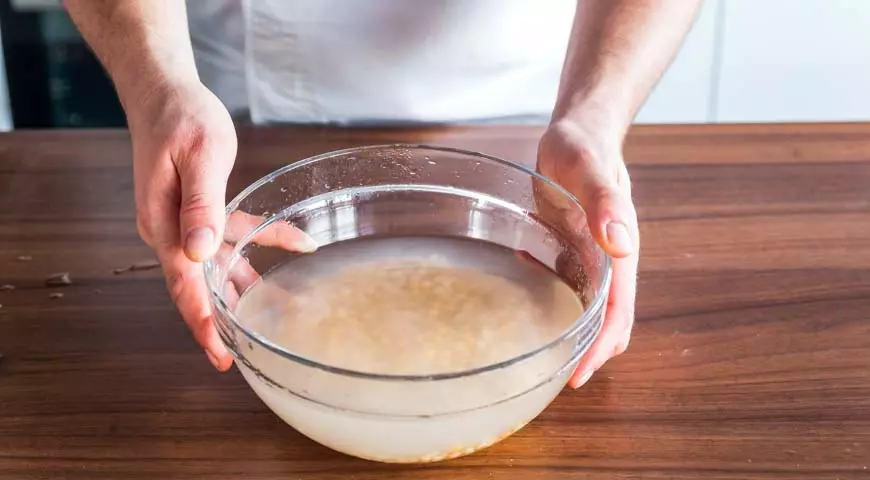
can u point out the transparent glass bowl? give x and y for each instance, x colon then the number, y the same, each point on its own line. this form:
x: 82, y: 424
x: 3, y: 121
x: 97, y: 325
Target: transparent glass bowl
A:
x: 409, y: 190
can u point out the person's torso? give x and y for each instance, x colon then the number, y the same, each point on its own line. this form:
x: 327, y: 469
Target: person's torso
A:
x: 382, y: 61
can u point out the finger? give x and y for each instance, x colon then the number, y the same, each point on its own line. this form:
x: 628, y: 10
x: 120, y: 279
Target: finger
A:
x: 203, y: 170
x: 186, y: 283
x: 241, y: 274
x: 525, y: 256
x: 231, y: 295
x: 607, y: 202
x: 277, y: 234
x: 618, y: 322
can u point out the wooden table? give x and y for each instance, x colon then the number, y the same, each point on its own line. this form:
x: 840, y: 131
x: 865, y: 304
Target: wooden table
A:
x: 751, y: 356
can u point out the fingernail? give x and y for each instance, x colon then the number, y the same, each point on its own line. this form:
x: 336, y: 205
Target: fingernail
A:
x: 619, y: 238
x: 199, y: 244
x: 214, y: 361
x: 307, y: 244
x: 583, y: 379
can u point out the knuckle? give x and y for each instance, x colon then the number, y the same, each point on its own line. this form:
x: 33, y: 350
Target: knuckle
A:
x: 196, y: 135
x: 188, y: 128
x: 143, y: 230
x: 175, y: 284
x: 604, y: 193
x: 154, y: 227
x: 147, y: 220
x: 195, y: 203
x: 189, y: 139
x: 621, y: 346
x: 187, y: 132
x: 609, y: 196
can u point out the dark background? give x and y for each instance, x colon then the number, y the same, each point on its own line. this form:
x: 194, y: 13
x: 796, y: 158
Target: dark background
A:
x: 46, y: 61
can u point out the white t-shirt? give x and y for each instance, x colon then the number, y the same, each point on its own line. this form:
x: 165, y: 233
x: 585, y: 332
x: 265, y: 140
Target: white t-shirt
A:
x: 382, y: 61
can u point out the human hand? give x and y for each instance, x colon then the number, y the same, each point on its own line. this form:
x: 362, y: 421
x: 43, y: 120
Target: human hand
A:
x: 590, y: 166
x: 184, y: 146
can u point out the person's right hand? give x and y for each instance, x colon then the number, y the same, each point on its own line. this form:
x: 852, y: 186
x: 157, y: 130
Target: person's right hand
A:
x: 184, y: 147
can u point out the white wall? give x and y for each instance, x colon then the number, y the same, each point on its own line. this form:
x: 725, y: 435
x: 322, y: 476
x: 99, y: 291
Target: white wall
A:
x: 683, y: 94
x: 769, y: 61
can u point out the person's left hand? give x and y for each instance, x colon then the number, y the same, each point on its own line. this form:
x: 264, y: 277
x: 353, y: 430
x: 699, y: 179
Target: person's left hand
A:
x: 589, y: 164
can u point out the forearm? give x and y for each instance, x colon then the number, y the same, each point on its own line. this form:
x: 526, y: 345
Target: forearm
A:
x: 144, y: 45
x: 618, y: 51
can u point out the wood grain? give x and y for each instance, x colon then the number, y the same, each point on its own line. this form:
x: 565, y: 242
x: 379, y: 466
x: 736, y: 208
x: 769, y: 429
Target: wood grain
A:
x: 751, y: 357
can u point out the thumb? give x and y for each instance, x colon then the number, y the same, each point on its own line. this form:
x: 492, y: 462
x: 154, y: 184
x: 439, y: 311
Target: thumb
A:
x: 610, y: 212
x: 203, y: 195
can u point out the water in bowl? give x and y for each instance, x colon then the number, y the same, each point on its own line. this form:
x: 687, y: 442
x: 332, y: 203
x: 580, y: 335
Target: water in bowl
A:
x: 406, y: 286
x: 410, y: 305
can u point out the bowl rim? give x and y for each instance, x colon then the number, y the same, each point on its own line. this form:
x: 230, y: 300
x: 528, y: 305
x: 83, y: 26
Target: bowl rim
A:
x: 218, y: 302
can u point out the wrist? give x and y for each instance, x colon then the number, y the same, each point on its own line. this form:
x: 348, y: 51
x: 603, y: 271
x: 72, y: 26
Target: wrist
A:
x: 144, y: 100
x: 600, y: 113
x: 591, y: 131
x: 143, y: 80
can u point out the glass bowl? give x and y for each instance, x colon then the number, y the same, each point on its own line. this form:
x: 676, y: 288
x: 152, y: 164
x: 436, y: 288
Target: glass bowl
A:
x: 408, y: 191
